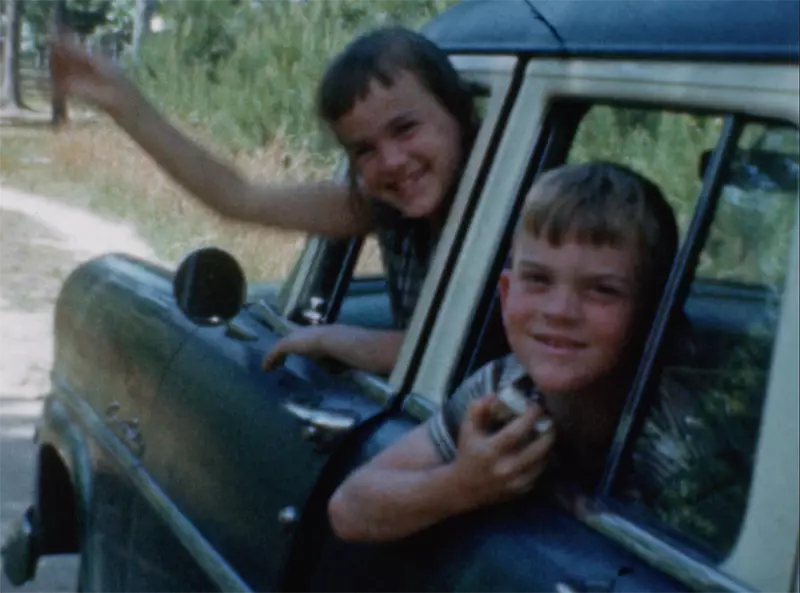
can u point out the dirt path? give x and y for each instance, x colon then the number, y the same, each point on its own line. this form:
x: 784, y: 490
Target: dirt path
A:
x: 41, y: 241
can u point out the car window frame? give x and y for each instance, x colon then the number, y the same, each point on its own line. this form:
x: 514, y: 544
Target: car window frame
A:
x: 676, y: 291
x: 711, y: 87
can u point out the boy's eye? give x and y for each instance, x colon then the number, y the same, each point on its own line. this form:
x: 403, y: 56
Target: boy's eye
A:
x: 536, y: 279
x: 607, y: 290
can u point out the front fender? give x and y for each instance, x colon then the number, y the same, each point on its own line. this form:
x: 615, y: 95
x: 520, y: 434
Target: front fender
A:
x: 64, y: 462
x: 57, y: 522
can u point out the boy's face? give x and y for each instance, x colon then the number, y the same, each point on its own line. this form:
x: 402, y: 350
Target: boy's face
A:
x: 568, y: 311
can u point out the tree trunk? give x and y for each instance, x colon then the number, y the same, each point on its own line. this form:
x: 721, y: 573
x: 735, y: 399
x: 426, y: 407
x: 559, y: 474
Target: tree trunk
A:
x: 141, y: 26
x: 58, y: 98
x: 11, y: 84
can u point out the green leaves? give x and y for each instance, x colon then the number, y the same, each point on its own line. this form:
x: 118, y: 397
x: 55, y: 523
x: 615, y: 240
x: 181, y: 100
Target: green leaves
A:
x: 248, y: 70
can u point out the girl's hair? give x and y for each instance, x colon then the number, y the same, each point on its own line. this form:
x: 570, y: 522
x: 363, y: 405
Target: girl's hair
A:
x: 382, y: 55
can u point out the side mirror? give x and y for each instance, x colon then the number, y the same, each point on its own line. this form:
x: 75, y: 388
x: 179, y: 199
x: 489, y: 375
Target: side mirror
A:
x: 209, y: 286
x: 759, y: 170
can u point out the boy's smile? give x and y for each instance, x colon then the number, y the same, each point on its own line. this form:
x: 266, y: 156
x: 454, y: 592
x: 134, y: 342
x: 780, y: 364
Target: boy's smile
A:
x: 568, y: 310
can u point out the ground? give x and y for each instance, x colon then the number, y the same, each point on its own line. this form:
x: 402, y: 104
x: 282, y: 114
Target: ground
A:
x: 41, y: 241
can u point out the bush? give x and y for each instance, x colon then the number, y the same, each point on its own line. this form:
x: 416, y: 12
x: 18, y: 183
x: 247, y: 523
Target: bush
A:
x: 246, y: 72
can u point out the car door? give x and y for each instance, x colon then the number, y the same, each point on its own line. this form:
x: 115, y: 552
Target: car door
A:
x: 235, y: 455
x: 115, y: 334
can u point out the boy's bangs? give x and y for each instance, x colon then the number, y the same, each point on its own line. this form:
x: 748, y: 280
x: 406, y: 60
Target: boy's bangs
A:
x: 572, y: 217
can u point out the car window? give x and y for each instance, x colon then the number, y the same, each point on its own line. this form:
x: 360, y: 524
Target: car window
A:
x: 664, y: 146
x: 369, y: 262
x: 691, y: 465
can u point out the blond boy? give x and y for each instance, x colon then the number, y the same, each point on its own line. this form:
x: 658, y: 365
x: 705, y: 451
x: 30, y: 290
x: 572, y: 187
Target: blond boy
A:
x: 591, y: 254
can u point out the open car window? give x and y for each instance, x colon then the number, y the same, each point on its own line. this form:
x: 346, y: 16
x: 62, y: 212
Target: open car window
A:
x: 691, y: 465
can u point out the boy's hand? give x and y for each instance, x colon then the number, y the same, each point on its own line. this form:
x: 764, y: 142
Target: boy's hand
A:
x: 504, y: 464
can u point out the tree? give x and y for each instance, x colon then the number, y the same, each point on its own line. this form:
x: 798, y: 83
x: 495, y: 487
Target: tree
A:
x: 11, y: 84
x: 142, y: 13
x: 58, y: 98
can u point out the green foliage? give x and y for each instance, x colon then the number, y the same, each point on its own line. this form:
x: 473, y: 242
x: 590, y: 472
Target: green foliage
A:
x: 37, y: 17
x: 706, y: 493
x: 664, y: 146
x: 247, y: 71
x: 118, y: 19
x: 84, y: 16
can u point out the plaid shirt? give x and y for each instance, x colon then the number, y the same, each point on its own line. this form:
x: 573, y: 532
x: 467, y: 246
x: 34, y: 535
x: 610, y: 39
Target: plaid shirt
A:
x: 406, y: 250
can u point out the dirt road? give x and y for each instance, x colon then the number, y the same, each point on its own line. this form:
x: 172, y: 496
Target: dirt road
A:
x: 41, y: 241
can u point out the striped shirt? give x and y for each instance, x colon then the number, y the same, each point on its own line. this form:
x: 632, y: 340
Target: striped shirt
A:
x: 674, y: 470
x: 491, y: 378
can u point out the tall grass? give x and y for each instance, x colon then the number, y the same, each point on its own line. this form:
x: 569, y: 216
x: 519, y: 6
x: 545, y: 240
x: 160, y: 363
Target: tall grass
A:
x: 247, y: 73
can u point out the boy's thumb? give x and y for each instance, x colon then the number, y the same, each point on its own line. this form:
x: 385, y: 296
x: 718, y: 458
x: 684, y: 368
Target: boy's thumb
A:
x: 480, y: 410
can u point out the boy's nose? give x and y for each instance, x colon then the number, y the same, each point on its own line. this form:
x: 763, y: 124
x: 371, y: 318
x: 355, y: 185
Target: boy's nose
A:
x: 562, y: 303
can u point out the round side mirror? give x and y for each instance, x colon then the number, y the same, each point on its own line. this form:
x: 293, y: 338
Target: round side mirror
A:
x: 209, y: 286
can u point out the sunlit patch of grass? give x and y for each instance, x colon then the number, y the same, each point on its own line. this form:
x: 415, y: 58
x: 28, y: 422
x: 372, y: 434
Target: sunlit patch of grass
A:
x: 94, y: 165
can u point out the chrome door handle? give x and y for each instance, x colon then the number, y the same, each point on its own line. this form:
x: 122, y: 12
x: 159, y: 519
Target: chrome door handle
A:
x: 321, y: 427
x: 132, y: 435
x: 127, y: 430
x: 111, y: 410
x: 322, y: 420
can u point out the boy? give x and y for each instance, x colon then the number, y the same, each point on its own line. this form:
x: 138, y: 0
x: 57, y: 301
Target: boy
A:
x: 591, y: 254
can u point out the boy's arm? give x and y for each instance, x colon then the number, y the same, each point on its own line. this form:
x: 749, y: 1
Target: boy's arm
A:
x: 406, y: 488
x: 409, y: 486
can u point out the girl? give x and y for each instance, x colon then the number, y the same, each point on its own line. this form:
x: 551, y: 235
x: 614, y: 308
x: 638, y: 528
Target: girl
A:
x: 406, y: 121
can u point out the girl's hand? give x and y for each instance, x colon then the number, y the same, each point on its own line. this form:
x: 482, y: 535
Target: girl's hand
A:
x: 305, y: 341
x: 90, y: 78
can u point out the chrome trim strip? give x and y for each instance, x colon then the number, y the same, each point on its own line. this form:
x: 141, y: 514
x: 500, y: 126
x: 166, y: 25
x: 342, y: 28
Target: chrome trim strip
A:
x: 373, y: 386
x: 661, y: 555
x: 304, y: 266
x: 419, y: 407
x: 196, y: 545
x: 267, y: 314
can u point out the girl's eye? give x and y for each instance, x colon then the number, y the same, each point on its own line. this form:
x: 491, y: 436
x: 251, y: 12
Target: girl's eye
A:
x: 406, y: 127
x: 362, y: 151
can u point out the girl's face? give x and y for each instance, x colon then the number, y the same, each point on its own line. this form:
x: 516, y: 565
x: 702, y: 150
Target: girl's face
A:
x: 569, y: 311
x: 405, y: 146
